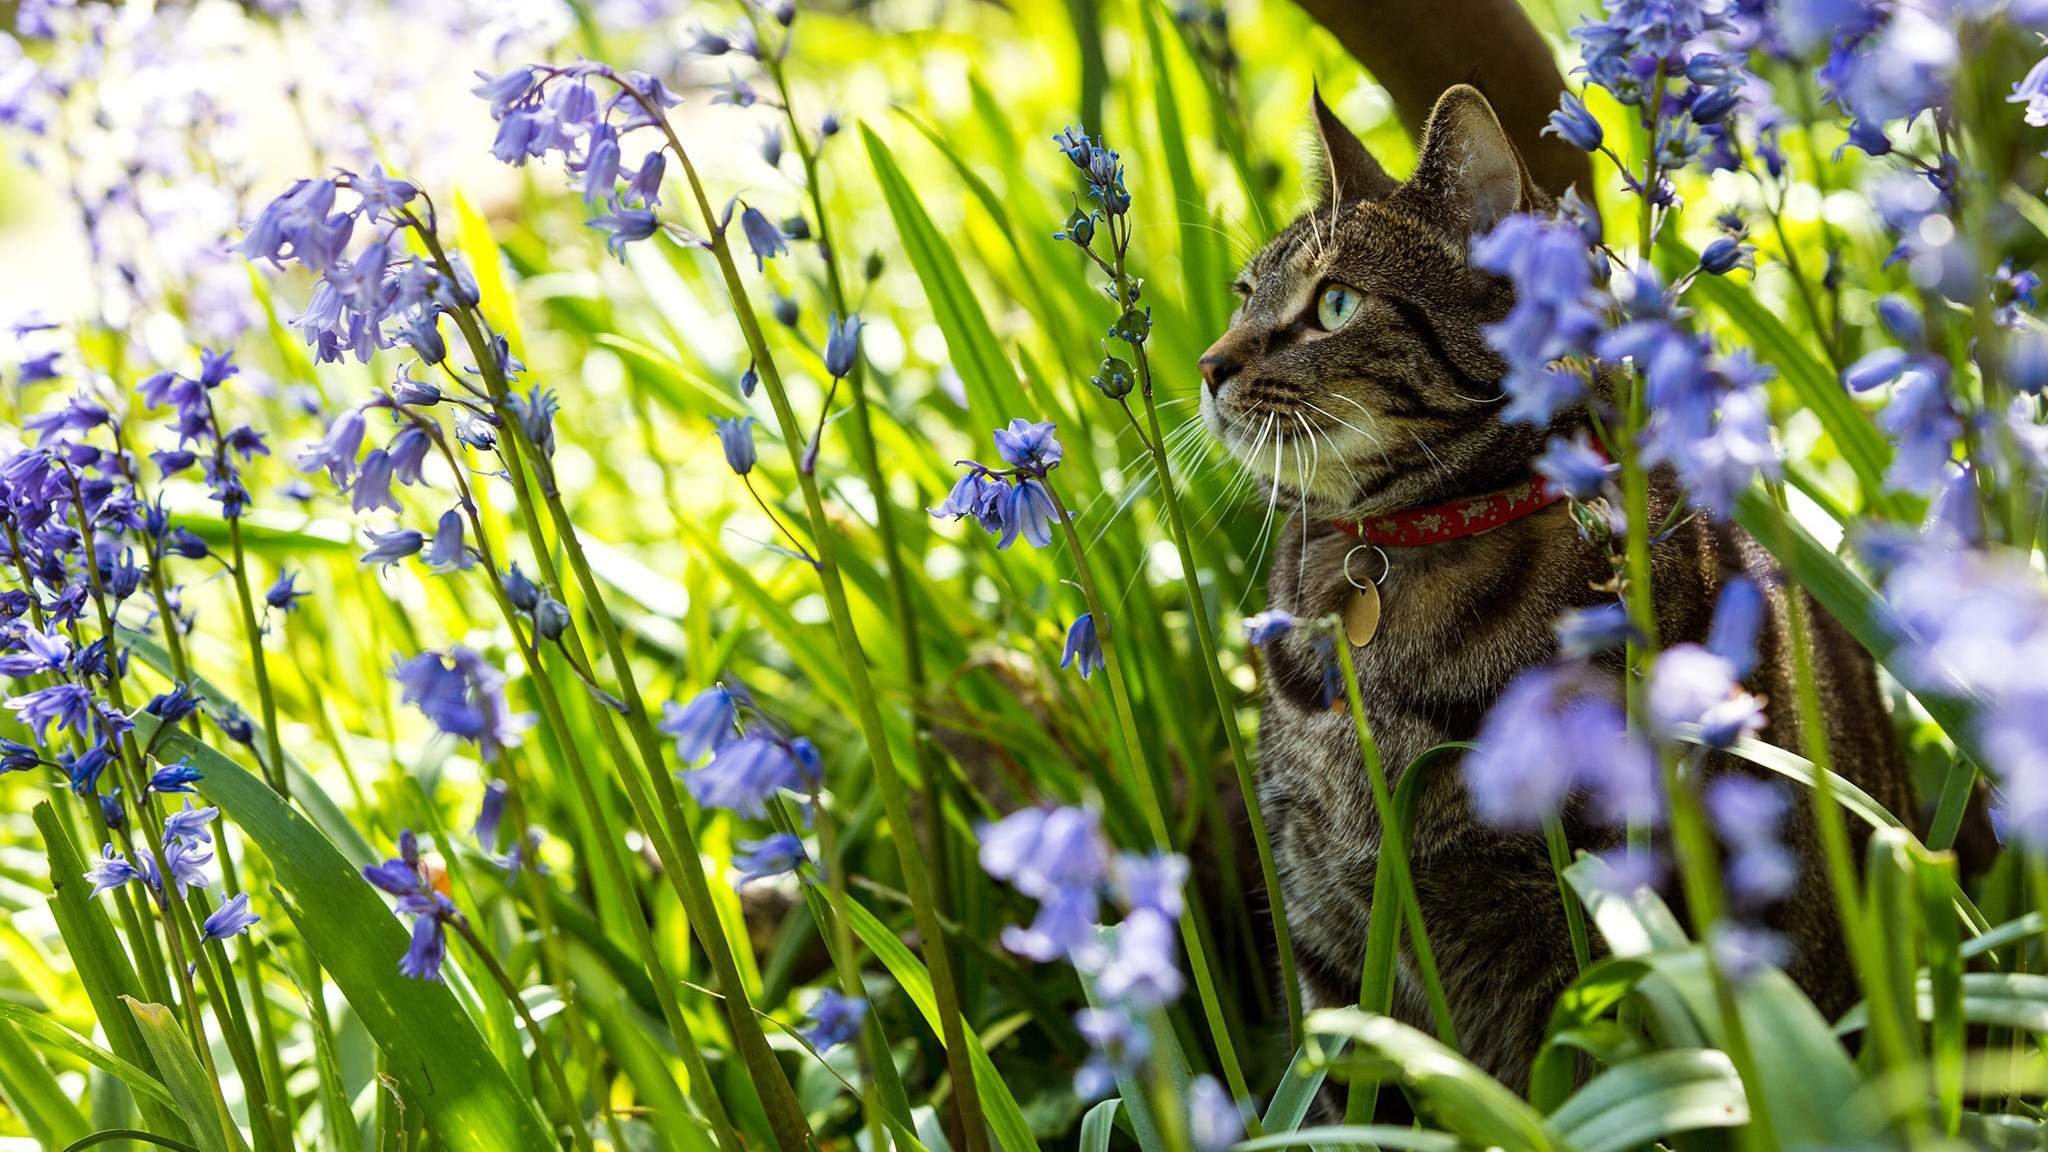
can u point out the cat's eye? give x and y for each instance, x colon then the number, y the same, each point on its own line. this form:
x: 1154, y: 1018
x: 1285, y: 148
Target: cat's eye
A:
x: 1335, y: 306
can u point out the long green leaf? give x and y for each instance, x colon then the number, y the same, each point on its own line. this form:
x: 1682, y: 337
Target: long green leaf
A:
x: 1013, y: 1132
x: 1448, y: 1089
x: 991, y: 382
x: 1651, y: 1098
x: 58, y: 1036
x: 1368, y: 1136
x: 1299, y: 1084
x: 2003, y: 999
x: 440, y: 1061
x: 212, y: 1130
x: 29, y: 1088
x: 1098, y: 1125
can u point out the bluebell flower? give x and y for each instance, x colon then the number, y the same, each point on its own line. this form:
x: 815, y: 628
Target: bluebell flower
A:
x: 1555, y: 730
x: 1875, y: 368
x: 1143, y: 969
x: 490, y: 812
x: 1924, y: 426
x: 744, y: 774
x: 1556, y: 312
x: 601, y: 166
x: 1574, y: 125
x: 1084, y: 648
x: 186, y: 862
x: 178, y: 777
x: 1749, y: 815
x: 1590, y: 631
x: 736, y: 437
x: 1743, y: 949
x: 506, y: 89
x: 408, y: 453
x: 1738, y: 616
x: 976, y: 495
x: 230, y: 919
x: 372, y: 487
x: 448, y: 553
x: 1066, y: 927
x: 645, y: 186
x: 38, y: 368
x: 2025, y: 360
x: 68, y: 706
x: 1692, y: 686
x: 84, y: 769
x: 842, y: 344
x: 1726, y: 254
x: 763, y: 237
x: 337, y: 451
x: 1027, y: 511
x: 2032, y: 91
x: 402, y: 875
x: 428, y: 949
x: 1042, y: 852
x: 550, y: 618
x: 1575, y: 467
x: 1901, y: 317
x: 113, y: 870
x: 1029, y: 446
x: 388, y: 548
x: 1118, y: 1043
x: 709, y: 722
x: 189, y: 824
x: 283, y: 595
x: 1215, y: 1122
x: 463, y: 695
x: 1152, y: 881
x: 835, y: 1019
x: 111, y: 811
x: 772, y: 855
x: 1268, y: 625
x: 18, y: 757
x: 622, y: 226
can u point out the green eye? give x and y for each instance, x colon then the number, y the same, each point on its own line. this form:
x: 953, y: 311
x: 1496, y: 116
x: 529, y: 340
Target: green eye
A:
x: 1335, y: 306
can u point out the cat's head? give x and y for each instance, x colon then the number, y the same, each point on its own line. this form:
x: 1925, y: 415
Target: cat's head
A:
x: 1356, y: 373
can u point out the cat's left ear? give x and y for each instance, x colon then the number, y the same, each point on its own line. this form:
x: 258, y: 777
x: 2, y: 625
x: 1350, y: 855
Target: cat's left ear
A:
x: 1470, y: 174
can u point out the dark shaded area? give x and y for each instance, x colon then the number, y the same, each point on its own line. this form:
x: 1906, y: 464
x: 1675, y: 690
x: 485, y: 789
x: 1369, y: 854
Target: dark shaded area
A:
x: 1417, y: 48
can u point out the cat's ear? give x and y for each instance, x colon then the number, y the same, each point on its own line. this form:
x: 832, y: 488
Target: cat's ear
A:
x: 1348, y: 171
x: 1470, y: 174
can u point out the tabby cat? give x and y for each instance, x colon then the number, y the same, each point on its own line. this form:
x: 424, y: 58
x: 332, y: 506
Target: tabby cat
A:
x: 1356, y: 377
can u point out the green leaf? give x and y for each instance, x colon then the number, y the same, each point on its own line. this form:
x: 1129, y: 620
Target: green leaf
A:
x: 1013, y: 1132
x: 1098, y: 1124
x: 990, y: 381
x: 1655, y: 1096
x: 1299, y: 1084
x: 2001, y: 999
x: 1447, y: 1088
x: 1356, y: 1136
x: 31, y: 1090
x: 440, y: 1061
x: 101, y: 961
x: 212, y: 1129
x: 58, y: 1036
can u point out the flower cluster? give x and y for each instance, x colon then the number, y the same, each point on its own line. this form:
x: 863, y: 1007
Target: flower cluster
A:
x: 421, y: 889
x: 752, y: 759
x: 464, y: 696
x: 1060, y: 858
x: 1010, y: 502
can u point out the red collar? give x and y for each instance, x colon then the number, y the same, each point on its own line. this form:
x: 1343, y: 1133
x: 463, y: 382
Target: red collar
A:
x: 1453, y: 519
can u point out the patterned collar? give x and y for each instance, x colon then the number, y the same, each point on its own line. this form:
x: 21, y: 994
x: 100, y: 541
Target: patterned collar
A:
x: 1453, y: 519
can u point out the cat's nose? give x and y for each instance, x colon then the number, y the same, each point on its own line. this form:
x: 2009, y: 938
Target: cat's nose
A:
x: 1217, y: 371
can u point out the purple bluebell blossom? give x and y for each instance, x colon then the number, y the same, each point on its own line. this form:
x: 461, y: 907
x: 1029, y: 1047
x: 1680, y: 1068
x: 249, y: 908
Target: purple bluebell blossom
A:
x: 113, y: 870
x: 764, y: 239
x: 1215, y: 1122
x: 448, y: 552
x: 1042, y: 851
x: 1588, y: 632
x: 744, y: 774
x: 645, y: 186
x: 834, y: 1020
x: 1574, y: 125
x: 388, y: 548
x: 1118, y: 1043
x: 490, y: 812
x: 1575, y: 467
x: 1143, y: 969
x: 1084, y: 648
x: 842, y: 344
x: 1154, y: 881
x: 1557, y: 311
x: 1268, y: 625
x: 1692, y: 686
x: 282, y: 594
x: 773, y: 855
x: 232, y: 918
x: 178, y: 777
x: 622, y: 226
x: 1556, y: 729
x: 736, y: 438
x: 1749, y: 816
x: 1029, y: 446
x: 1028, y: 512
x: 709, y: 722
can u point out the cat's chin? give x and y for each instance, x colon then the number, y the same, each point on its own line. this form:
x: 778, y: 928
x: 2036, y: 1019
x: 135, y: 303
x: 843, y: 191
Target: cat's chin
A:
x: 1321, y: 470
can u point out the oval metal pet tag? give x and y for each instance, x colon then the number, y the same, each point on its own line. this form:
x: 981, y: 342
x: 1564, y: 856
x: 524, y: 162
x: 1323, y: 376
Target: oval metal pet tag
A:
x: 1362, y: 615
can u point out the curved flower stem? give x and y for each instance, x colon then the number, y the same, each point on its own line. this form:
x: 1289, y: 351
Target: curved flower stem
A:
x: 674, y: 839
x: 1393, y: 837
x: 895, y: 802
x: 887, y: 530
x: 609, y: 854
x: 1192, y: 934
x: 577, y: 1129
x: 1205, y: 637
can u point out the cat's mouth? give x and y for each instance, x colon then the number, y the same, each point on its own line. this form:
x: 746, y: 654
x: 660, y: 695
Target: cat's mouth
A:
x: 1317, y: 449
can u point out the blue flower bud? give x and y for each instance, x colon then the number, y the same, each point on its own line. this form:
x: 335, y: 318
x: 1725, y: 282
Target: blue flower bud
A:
x: 1574, y: 125
x: 842, y: 345
x: 1714, y: 104
x: 521, y: 591
x: 1727, y: 254
x: 736, y: 436
x: 1114, y: 379
x: 551, y: 619
x: 1901, y: 317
